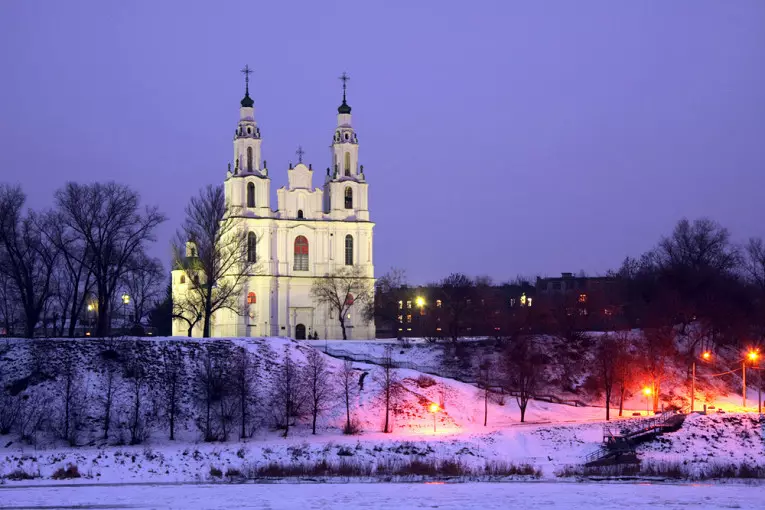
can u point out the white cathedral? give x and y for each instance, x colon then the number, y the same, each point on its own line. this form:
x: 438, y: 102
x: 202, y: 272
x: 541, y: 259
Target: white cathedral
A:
x: 312, y: 233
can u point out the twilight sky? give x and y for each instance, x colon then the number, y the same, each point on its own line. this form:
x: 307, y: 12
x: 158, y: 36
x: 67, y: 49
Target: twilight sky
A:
x: 499, y: 138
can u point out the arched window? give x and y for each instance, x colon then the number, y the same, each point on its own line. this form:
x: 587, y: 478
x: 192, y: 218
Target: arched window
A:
x: 252, y: 242
x: 349, y: 250
x: 348, y: 198
x: 348, y: 164
x: 301, y: 253
x: 250, y: 195
x: 251, y: 298
x: 183, y: 279
x: 249, y: 159
x: 300, y: 214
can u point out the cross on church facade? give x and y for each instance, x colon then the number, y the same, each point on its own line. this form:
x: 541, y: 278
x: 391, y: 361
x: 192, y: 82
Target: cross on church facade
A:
x: 300, y: 153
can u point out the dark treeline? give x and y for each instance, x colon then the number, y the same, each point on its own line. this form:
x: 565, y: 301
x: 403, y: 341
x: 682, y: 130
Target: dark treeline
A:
x: 66, y: 269
x: 695, y: 291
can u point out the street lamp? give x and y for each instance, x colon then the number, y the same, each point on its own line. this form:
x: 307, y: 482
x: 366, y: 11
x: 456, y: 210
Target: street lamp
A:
x: 125, y: 301
x: 753, y: 355
x: 434, y: 408
x: 706, y: 356
x: 647, y: 393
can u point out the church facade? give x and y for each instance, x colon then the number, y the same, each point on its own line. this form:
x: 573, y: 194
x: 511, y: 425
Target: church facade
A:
x: 312, y: 233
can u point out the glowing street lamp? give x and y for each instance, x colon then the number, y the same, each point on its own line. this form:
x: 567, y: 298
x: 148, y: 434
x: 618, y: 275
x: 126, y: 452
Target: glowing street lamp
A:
x: 706, y: 356
x: 647, y: 392
x: 420, y: 301
x: 434, y: 408
x: 125, y: 301
x: 752, y: 356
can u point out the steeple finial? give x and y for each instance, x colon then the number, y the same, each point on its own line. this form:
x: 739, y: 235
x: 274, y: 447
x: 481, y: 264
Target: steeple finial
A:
x: 344, y: 108
x: 300, y: 153
x: 247, y: 101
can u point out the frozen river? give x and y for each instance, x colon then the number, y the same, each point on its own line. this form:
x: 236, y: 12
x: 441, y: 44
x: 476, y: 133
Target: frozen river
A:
x: 395, y: 496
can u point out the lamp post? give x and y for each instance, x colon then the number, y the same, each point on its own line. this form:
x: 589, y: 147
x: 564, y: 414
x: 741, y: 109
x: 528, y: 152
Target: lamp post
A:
x: 434, y: 409
x: 706, y: 356
x: 752, y: 356
x: 125, y: 301
x: 90, y: 318
x: 647, y: 393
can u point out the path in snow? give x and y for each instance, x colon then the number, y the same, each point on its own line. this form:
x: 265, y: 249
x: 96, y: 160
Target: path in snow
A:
x: 381, y: 496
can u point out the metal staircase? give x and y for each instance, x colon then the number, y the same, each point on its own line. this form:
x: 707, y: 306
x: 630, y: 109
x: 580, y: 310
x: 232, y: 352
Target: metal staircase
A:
x: 620, y: 439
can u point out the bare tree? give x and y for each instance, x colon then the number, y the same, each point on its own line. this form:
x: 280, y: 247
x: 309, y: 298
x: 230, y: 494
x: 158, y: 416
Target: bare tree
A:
x: 244, y: 379
x: 523, y: 366
x: 390, y: 387
x: 486, y: 379
x: 319, y: 389
x: 74, y: 279
x: 72, y: 400
x: 211, y: 393
x: 623, y: 364
x: 347, y: 380
x: 341, y: 290
x: 288, y: 398
x: 188, y: 309
x: 456, y: 291
x: 9, y: 310
x: 109, y: 391
x: 172, y: 376
x: 219, y: 258
x: 136, y: 376
x: 27, y: 258
x: 606, y: 367
x: 144, y: 283
x: 754, y: 262
x: 107, y: 219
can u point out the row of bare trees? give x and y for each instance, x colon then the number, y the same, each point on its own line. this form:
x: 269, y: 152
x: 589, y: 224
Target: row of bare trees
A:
x: 123, y: 391
x: 85, y: 251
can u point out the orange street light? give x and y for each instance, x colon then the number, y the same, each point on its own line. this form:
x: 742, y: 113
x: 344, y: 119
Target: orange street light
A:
x: 647, y: 393
x: 434, y: 408
x: 753, y: 355
x: 706, y: 355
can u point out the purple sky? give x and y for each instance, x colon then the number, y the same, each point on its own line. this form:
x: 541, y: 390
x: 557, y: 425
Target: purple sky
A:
x: 499, y: 138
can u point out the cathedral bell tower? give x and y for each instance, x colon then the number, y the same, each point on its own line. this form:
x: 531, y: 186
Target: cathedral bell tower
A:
x: 345, y: 187
x: 247, y: 183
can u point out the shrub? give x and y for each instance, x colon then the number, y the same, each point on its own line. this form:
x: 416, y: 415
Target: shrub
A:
x: 424, y: 381
x: 232, y: 473
x: 71, y: 471
x: 215, y: 472
x: 502, y: 468
x: 20, y: 474
x: 353, y: 428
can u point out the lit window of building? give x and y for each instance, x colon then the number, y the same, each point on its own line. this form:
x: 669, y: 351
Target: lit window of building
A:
x: 438, y: 303
x: 400, y: 305
x: 409, y: 318
x: 582, y: 298
x: 408, y: 304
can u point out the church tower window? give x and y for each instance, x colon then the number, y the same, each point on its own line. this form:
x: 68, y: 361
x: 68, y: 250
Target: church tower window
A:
x: 250, y: 195
x: 252, y: 242
x: 301, y: 253
x: 349, y: 250
x: 348, y: 198
x: 249, y: 159
x: 348, y: 164
x: 251, y: 298
x: 300, y: 214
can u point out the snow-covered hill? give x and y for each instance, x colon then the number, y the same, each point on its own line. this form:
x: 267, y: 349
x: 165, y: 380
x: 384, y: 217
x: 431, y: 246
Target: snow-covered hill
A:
x: 34, y: 375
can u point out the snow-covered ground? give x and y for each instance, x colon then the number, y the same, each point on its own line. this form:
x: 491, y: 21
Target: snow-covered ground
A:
x: 555, y: 435
x: 489, y: 496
